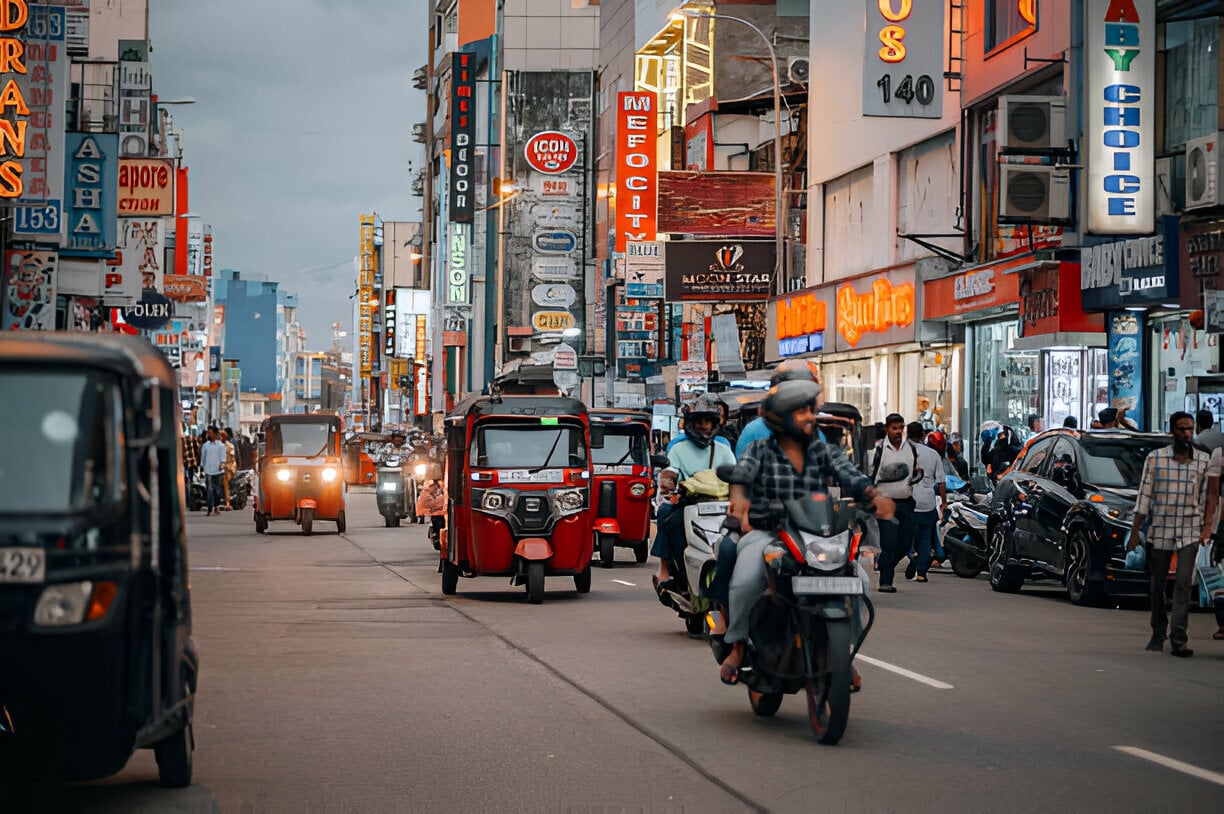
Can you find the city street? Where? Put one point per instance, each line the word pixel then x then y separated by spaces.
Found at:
pixel 336 677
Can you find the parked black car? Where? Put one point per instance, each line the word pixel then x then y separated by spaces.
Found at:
pixel 1064 510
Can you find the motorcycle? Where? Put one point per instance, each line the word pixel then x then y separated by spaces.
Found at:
pixel 197 492
pixel 241 486
pixel 808 626
pixel 395 493
pixel 964 530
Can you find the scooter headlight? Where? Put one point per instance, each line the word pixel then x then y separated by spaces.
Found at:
pixel 329 474
pixel 387 486
pixel 283 475
pixel 826 553
pixel 569 501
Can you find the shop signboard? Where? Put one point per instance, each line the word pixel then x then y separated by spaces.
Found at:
pixel 903 65
pixel 1202 261
pixel 799 322
pixel 551 152
pixel 644 267
pixel 880 309
pixel 970 292
pixel 462 138
pixel 1133 271
pixel 716 204
pixel 43 85
pixel 30 279
pixel 1042 309
pixel 719 271
pixel 92 188
pixel 637 166
pixel 1125 343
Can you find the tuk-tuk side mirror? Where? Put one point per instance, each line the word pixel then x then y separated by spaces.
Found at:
pixel 148 414
pixel 660 461
pixel 263 448
pixel 597 436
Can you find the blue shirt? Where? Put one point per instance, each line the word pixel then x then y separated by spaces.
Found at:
pixel 682 437
pixel 758 430
pixel 687 459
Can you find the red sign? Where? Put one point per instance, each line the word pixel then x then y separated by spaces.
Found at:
pixel 637 167
pixel 551 152
pixel 718 204
pixel 1043 309
pixel 185 287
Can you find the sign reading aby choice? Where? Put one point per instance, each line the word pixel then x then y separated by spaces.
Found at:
pixel 1135 271
pixel 904 62
pixel 1119 120
pixel 714 271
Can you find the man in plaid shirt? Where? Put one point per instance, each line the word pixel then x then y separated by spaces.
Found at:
pixel 191 454
pixel 1178 490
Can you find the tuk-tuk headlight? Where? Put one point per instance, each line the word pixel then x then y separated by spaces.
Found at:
pixel 63 604
pixel 329 474
pixel 493 502
pixel 283 475
pixel 420 470
pixel 637 489
pixel 569 501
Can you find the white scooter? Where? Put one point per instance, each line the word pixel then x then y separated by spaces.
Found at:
pixel 703 529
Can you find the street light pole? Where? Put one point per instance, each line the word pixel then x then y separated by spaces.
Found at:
pixel 779 224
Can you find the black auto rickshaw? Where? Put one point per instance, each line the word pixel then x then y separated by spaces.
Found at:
pixel 96 657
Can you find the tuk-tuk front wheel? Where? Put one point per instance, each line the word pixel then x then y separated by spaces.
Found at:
pixel 261 523
pixel 450 577
pixel 307 516
pixel 582 580
pixel 641 551
pixel 607 550
pixel 340 525
pixel 535 582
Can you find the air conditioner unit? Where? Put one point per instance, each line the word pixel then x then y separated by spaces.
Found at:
pixel 797 70
pixel 1032 122
pixel 1203 171
pixel 1034 193
pixel 418 132
pixel 1170 185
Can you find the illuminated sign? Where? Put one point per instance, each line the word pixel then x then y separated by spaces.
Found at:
pixel 551 152
pixel 713 271
pixel 38 215
pixel 637 167
pixel 1119 116
pixel 365 310
pixel 903 64
pixel 462 138
pixel 14 113
pixel 801 320
pixel 882 307
pixel 457 273
pixel 552 320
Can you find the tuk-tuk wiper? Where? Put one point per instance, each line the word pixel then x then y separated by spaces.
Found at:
pixel 548 457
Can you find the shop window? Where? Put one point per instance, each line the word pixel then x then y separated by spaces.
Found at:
pixel 1192 82
pixel 850 383
pixel 1008 21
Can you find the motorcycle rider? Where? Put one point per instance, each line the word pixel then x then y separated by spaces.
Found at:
pixel 791 464
pixel 696 451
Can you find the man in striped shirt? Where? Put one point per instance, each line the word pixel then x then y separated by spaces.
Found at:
pixel 1178 490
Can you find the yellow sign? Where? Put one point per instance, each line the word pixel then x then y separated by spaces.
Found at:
pixel 552 320
pixel 883 307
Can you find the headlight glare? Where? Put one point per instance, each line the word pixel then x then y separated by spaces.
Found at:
pixel 329 474
pixel 63 604
pixel 283 475
pixel 637 489
pixel 420 470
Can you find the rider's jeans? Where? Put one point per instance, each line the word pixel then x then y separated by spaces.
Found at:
pixel 726 555
pixel 666 546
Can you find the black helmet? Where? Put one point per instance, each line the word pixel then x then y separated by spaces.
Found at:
pixel 706 406
pixel 783 400
pixel 794 369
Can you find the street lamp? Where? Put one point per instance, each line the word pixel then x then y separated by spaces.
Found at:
pixel 779 263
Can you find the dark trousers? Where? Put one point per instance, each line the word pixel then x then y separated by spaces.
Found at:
pixel 215 494
pixel 1158 565
pixel 663 545
pixel 896 539
pixel 725 555
pixel 925 537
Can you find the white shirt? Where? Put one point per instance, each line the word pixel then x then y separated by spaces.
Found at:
pixel 932 475
pixel 899 490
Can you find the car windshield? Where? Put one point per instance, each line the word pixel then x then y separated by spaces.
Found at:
pixel 529 446
pixel 1115 463
pixel 301 439
pixel 622 446
pixel 62 439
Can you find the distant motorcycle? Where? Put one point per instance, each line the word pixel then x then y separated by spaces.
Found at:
pixel 240 488
pixel 964 530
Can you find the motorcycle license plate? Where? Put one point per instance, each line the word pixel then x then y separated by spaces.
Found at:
pixel 28 565
pixel 808 586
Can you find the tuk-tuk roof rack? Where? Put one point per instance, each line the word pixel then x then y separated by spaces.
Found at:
pixel 610 415
pixel 525 406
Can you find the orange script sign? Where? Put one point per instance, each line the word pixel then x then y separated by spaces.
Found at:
pixel 881 308
pixel 800 315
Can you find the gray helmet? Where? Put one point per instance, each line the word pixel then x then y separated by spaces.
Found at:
pixel 783 400
pixel 706 406
pixel 794 369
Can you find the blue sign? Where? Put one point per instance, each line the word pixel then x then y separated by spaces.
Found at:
pixel 37 217
pixel 1134 271
pixel 643 291
pixel 1125 331
pixel 91 186
pixel 558 241
pixel 798 345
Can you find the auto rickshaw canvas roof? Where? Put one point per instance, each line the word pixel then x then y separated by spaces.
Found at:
pixel 126 355
pixel 844 411
pixel 515 406
pixel 618 415
pixel 303 418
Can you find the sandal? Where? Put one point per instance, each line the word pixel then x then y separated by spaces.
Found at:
pixel 728 674
pixel 920 578
pixel 1218 635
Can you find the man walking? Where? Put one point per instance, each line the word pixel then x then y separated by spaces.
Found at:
pixel 926 514
pixel 212 461
pixel 1179 489
pixel 896 539
pixel 1207 435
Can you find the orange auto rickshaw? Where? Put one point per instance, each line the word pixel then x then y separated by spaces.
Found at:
pixel 301 475
pixel 359 465
pixel 624 484
pixel 518 476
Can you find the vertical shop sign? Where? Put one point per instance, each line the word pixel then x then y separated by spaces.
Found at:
pixel 365 291
pixel 92 185
pixel 457 265
pixel 38 214
pixel 462 139
pixel 1119 115
pixel 904 61
pixel 637 167
pixel 1126 363
pixel 14 112
pixel 30 278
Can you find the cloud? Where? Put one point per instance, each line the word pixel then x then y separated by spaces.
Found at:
pixel 302 122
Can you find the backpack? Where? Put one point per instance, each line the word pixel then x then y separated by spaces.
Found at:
pixel 879 453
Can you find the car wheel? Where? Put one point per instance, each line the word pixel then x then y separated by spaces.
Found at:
pixel 175 754
pixel 1003 577
pixel 1079 590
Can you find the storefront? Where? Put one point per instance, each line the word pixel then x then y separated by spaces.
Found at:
pixel 1186 349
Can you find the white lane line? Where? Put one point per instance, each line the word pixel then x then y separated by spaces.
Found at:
pixel 622 582
pixel 213 568
pixel 1175 765
pixel 901 671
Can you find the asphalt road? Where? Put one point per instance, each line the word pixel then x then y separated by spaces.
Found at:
pixel 335 677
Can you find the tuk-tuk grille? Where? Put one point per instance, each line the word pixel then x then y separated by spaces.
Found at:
pixel 533 512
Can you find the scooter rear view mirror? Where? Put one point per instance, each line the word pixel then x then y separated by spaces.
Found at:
pixel 893 473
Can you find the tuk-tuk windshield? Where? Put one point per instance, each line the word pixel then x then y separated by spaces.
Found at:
pixel 62 436
pixel 524 446
pixel 622 445
pixel 306 440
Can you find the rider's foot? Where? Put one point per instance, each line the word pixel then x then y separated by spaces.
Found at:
pixel 728 671
pixel 856 680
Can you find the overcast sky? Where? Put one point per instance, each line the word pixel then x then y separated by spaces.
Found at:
pixel 302 121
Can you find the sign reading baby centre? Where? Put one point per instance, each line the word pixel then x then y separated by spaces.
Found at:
pixel 1119 115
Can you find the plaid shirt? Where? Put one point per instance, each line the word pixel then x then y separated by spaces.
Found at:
pixel 1173 496
pixel 191 451
pixel 775 479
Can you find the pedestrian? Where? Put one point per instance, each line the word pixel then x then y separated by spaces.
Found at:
pixel 1108 418
pixel 1179 490
pixel 956 456
pixel 926 510
pixel 191 455
pixel 432 504
pixel 229 468
pixel 895 538
pixel 1207 434
pixel 1035 424
pixel 212 461
pixel 725 428
pixel 1070 423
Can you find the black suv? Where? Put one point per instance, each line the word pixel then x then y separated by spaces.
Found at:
pixel 1064 510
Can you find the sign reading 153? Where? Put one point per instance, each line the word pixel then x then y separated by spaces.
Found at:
pixel 903 63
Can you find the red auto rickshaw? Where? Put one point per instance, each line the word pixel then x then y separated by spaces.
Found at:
pixel 301 472
pixel 624 484
pixel 518 475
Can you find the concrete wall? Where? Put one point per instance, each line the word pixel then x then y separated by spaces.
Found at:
pixel 986 74
pixel 539 35
pixel 116 20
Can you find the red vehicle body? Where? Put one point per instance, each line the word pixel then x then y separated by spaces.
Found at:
pixel 624 484
pixel 301 472
pixel 518 474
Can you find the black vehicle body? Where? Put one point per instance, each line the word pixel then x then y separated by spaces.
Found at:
pixel 395 492
pixel 96 656
pixel 1064 510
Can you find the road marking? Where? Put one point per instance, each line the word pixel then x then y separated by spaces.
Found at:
pixel 213 568
pixel 622 582
pixel 1175 765
pixel 901 671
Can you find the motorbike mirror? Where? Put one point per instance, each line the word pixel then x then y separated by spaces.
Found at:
pixel 660 461
pixel 733 473
pixel 597 436
pixel 893 473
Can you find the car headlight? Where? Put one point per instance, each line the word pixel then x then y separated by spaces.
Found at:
pixel 569 501
pixel 420 470
pixel 71 603
pixel 637 489
pixel 826 553
pixel 329 474
pixel 283 474
pixel 493 502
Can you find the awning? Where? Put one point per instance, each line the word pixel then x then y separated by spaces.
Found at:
pixel 1059 341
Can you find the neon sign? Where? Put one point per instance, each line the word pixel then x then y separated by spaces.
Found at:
pixel 12 132
pixel 883 307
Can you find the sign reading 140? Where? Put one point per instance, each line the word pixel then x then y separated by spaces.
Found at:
pixel 906 38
